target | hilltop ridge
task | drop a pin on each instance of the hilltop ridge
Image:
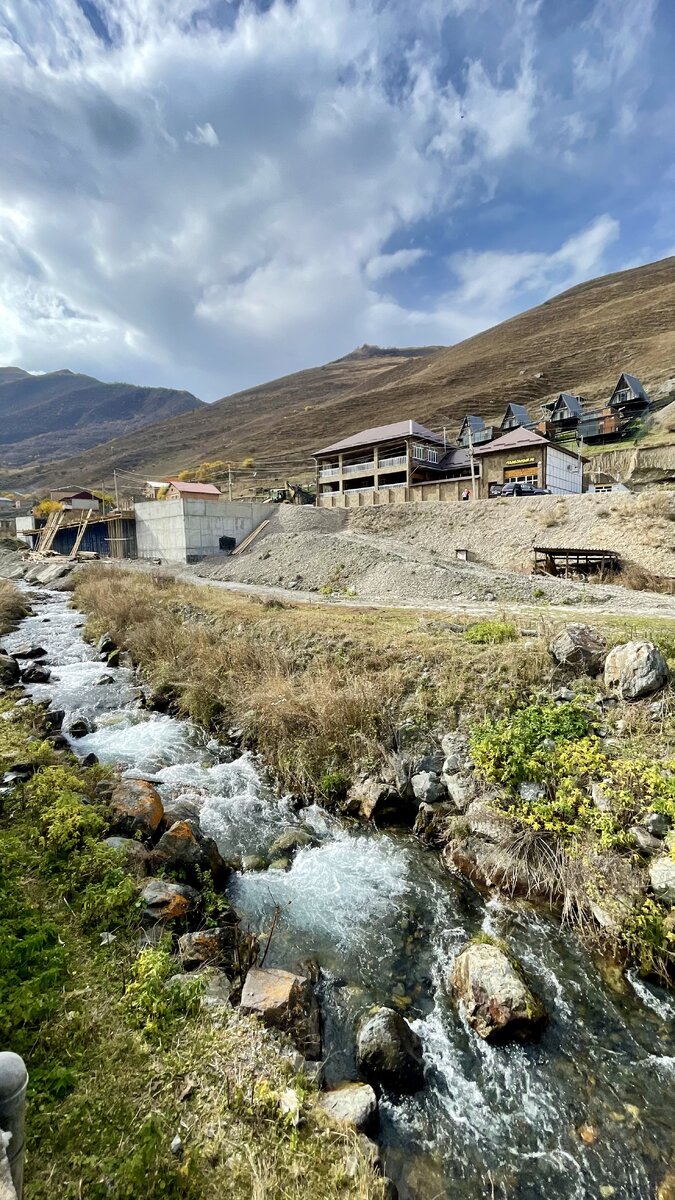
(578, 341)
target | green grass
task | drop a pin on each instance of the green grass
(120, 1061)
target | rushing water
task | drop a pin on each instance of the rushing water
(383, 920)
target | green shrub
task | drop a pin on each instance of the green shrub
(153, 1002)
(554, 745)
(518, 748)
(491, 633)
(649, 940)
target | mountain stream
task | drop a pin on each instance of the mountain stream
(383, 920)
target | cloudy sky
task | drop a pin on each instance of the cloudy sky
(207, 193)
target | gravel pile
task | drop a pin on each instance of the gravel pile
(344, 561)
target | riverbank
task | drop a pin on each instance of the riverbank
(577, 1112)
(342, 703)
(136, 1088)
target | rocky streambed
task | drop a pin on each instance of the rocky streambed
(583, 1110)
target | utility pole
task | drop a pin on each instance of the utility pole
(472, 464)
(229, 482)
(445, 437)
(117, 496)
(103, 496)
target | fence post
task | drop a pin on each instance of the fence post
(13, 1083)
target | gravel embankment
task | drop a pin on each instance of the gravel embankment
(407, 554)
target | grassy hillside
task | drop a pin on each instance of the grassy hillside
(60, 413)
(579, 341)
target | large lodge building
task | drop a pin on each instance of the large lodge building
(405, 461)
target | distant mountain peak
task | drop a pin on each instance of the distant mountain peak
(369, 351)
(59, 413)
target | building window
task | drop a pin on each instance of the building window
(425, 453)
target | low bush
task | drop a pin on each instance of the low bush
(491, 633)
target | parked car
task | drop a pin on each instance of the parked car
(523, 489)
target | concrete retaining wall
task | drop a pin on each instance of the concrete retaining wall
(188, 530)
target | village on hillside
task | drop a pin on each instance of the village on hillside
(183, 520)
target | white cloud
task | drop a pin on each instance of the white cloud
(334, 129)
(203, 135)
(489, 282)
(615, 38)
(387, 264)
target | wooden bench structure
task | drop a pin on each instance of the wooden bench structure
(563, 560)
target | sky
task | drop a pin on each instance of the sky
(207, 194)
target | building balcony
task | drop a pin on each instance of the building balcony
(359, 468)
(328, 472)
(385, 464)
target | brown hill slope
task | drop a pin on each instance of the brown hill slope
(578, 341)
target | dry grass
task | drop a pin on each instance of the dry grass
(318, 690)
(12, 605)
(640, 580)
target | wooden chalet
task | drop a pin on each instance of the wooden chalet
(473, 429)
(629, 398)
(515, 417)
(563, 413)
(390, 464)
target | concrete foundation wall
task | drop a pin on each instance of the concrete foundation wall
(187, 530)
(160, 530)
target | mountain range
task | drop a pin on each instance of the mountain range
(60, 413)
(579, 341)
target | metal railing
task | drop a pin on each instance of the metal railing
(399, 461)
(354, 468)
(326, 472)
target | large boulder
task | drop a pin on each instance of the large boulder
(135, 807)
(26, 650)
(289, 842)
(580, 647)
(36, 673)
(80, 727)
(287, 1002)
(461, 789)
(10, 671)
(105, 645)
(207, 946)
(662, 878)
(389, 1052)
(635, 669)
(496, 1000)
(188, 854)
(164, 901)
(351, 1104)
(181, 809)
(371, 797)
(427, 787)
(431, 822)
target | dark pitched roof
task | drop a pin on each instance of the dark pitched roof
(572, 402)
(522, 439)
(519, 411)
(382, 433)
(475, 423)
(635, 385)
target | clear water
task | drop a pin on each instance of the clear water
(383, 920)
